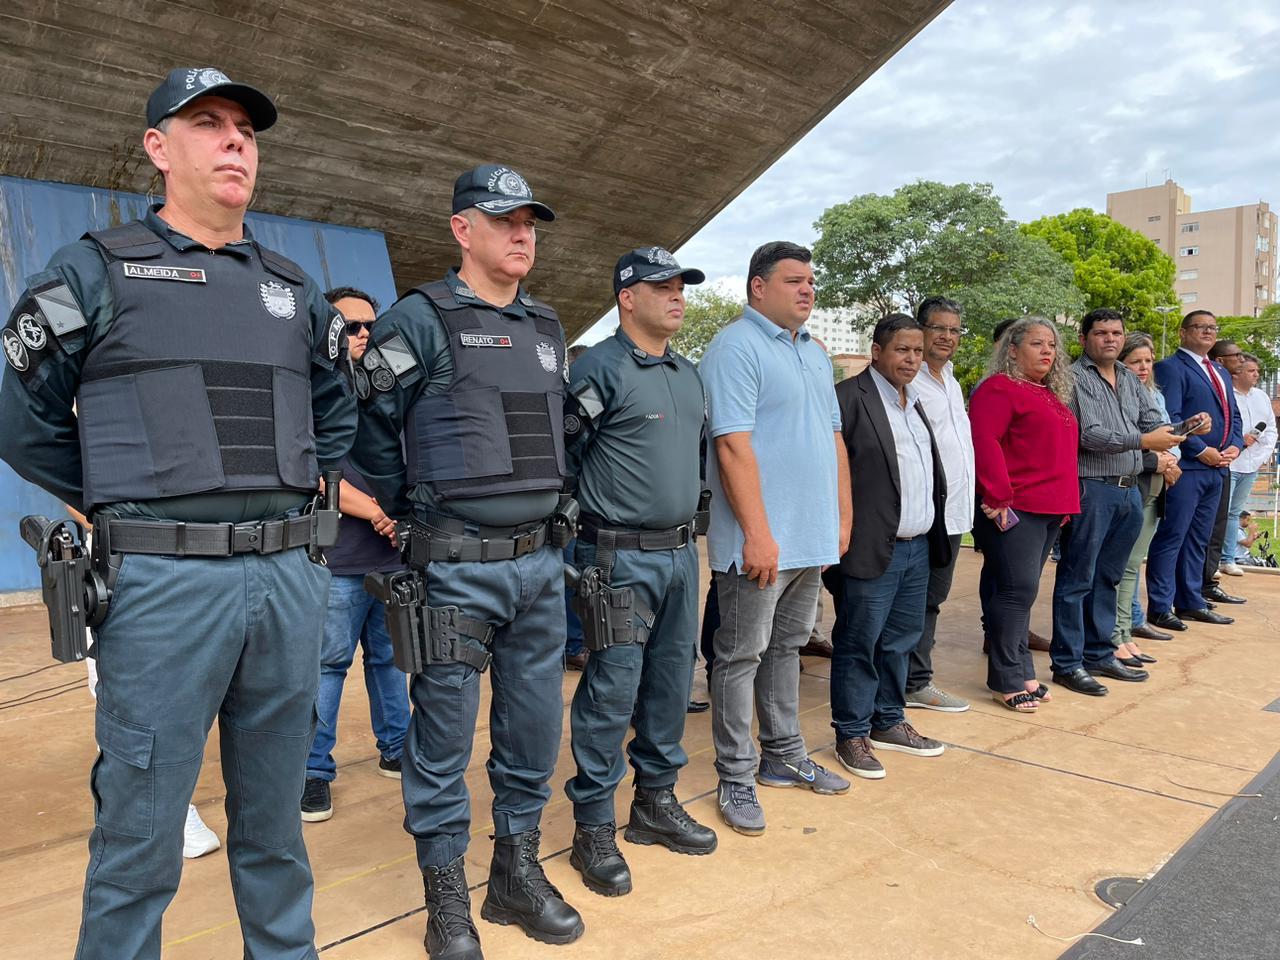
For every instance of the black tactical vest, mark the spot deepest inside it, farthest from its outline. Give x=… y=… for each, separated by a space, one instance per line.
x=202 y=383
x=499 y=426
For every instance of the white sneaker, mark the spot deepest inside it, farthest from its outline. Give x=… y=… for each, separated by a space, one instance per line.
x=1231 y=569
x=197 y=839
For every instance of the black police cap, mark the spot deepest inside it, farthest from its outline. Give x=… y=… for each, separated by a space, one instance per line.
x=494 y=189
x=185 y=84
x=653 y=265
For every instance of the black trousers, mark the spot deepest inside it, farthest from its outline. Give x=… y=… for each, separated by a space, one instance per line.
x=710 y=624
x=920 y=667
x=1011 y=563
x=1213 y=555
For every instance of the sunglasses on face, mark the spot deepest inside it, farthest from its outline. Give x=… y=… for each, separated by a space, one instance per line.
x=355 y=326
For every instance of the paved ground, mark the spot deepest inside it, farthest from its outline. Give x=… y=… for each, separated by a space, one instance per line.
x=946 y=857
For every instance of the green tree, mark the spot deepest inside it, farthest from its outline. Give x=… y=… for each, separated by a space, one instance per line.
x=706 y=313
x=1113 y=266
x=883 y=253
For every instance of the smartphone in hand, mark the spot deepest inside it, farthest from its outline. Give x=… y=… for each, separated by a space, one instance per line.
x=1010 y=520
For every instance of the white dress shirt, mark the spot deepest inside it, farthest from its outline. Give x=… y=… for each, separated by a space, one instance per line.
x=944 y=403
x=915 y=457
x=1254 y=407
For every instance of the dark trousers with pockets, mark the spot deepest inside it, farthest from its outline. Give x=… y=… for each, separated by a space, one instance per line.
x=1012 y=561
x=524 y=598
x=649 y=682
x=920 y=666
x=187 y=641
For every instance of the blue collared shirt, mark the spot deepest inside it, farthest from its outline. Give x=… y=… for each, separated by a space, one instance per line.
x=915 y=456
x=779 y=388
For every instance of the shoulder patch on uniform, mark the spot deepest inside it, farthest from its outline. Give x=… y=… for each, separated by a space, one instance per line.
x=59 y=307
x=336 y=326
x=572 y=424
x=360 y=377
x=589 y=401
x=383 y=379
x=14 y=351
x=395 y=353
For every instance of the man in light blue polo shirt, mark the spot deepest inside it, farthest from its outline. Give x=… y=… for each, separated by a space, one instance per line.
x=781 y=510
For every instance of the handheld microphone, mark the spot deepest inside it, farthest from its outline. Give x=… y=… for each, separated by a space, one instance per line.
x=1257 y=429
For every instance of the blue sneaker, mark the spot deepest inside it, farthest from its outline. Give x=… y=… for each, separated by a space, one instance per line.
x=800 y=773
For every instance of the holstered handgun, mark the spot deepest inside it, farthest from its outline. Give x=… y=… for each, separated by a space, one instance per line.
x=609 y=615
x=325 y=516
x=73 y=592
x=702 y=517
x=564 y=522
x=404 y=597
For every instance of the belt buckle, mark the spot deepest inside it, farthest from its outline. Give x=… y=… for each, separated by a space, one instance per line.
x=245 y=538
x=524 y=542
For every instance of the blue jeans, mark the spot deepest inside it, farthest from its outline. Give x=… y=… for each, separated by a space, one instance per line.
x=878 y=624
x=1241 y=485
x=572 y=625
x=1095 y=549
x=188 y=640
x=354 y=618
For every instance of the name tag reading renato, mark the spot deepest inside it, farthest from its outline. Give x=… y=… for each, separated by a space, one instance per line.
x=484 y=340
x=149 y=271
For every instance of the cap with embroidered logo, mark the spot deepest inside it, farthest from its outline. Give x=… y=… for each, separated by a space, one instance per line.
x=185 y=84
x=652 y=265
x=495 y=189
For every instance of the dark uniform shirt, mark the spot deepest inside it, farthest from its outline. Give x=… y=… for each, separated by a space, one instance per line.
x=378 y=453
x=637 y=464
x=40 y=439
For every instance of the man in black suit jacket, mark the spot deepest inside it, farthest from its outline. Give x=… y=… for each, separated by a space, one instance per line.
x=899 y=532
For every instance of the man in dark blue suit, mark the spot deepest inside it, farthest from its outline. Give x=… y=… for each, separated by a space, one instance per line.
x=1192 y=385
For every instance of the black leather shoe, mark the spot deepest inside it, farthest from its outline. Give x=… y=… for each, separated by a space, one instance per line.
x=1080 y=681
x=450 y=933
x=1221 y=596
x=1147 y=632
x=1145 y=658
x=1205 y=616
x=1166 y=621
x=596 y=856
x=1113 y=668
x=697 y=706
x=521 y=894
x=1130 y=662
x=658 y=817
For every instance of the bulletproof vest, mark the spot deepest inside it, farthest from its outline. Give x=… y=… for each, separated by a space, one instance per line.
x=499 y=426
x=202 y=383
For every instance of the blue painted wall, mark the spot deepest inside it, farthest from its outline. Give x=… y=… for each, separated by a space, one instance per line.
x=36 y=218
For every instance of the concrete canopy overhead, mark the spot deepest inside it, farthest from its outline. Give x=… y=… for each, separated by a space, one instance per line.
x=637 y=121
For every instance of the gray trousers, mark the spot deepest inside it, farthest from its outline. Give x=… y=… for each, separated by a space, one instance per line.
x=920 y=670
x=757 y=663
x=185 y=641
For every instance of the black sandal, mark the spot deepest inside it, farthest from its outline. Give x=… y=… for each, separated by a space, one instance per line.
x=1019 y=702
x=1041 y=693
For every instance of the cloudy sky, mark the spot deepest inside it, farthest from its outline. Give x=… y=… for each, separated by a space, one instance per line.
x=1056 y=103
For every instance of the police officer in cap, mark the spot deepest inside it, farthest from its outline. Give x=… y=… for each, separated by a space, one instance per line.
x=205 y=373
x=633 y=429
x=471 y=369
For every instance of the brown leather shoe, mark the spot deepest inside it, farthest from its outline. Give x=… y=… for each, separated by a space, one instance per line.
x=1037 y=642
x=817 y=648
x=575 y=661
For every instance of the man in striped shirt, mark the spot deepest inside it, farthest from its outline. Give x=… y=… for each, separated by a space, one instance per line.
x=1120 y=425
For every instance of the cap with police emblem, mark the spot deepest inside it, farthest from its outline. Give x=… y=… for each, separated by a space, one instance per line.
x=495 y=190
x=186 y=84
x=652 y=265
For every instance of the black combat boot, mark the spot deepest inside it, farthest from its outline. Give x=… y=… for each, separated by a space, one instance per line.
x=450 y=933
x=596 y=856
x=520 y=893
x=657 y=817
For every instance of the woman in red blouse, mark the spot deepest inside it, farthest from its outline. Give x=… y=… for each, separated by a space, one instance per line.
x=1024 y=445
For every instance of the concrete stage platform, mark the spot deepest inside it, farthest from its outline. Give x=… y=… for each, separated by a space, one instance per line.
x=945 y=858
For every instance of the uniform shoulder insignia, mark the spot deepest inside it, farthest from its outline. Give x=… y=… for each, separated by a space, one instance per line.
x=281 y=265
x=589 y=401
x=28 y=340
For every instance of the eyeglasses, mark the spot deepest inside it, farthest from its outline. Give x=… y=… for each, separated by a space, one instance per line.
x=1204 y=327
x=355 y=326
x=952 y=331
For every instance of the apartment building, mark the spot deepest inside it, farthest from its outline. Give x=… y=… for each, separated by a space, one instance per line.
x=834 y=327
x=1226 y=259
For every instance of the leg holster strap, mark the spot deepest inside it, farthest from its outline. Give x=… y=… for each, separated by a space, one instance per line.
x=610 y=615
x=455 y=638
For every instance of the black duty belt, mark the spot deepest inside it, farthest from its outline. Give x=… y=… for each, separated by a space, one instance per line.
x=636 y=538
x=178 y=539
x=1116 y=481
x=451 y=539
